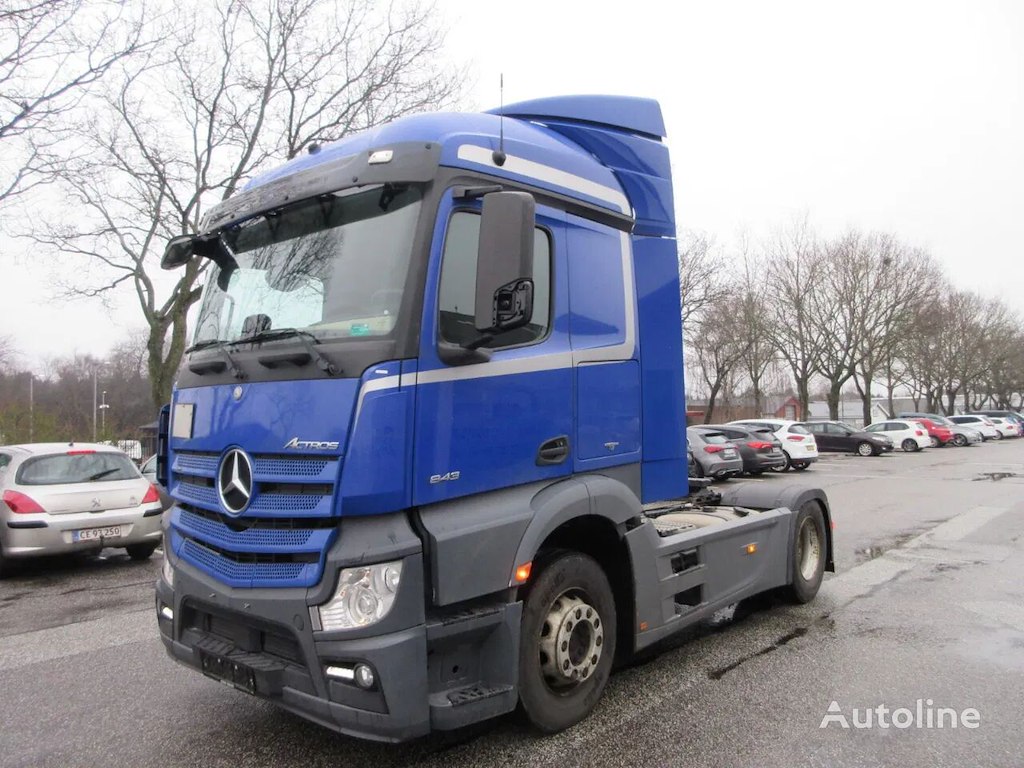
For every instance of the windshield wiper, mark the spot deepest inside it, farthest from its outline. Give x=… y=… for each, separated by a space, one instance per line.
x=104 y=473
x=208 y=366
x=307 y=339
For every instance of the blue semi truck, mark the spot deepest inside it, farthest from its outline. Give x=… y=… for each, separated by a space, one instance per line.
x=427 y=451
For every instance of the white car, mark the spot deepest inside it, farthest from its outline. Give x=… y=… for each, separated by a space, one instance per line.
x=797 y=443
x=981 y=423
x=1006 y=428
x=69 y=497
x=907 y=434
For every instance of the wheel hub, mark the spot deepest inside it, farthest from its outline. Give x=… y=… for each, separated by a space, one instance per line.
x=571 y=642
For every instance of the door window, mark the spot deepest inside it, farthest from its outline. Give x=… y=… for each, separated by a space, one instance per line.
x=457 y=298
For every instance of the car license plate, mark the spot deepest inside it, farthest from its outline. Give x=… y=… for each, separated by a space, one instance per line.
x=95 y=534
x=729 y=453
x=227 y=671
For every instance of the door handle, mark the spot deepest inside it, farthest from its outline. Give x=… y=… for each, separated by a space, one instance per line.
x=553 y=451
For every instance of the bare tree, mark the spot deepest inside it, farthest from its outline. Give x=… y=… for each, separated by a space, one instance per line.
x=794 y=273
x=701 y=276
x=51 y=53
x=753 y=314
x=718 y=345
x=234 y=89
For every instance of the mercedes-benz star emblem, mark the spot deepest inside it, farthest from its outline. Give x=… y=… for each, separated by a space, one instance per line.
x=234 y=481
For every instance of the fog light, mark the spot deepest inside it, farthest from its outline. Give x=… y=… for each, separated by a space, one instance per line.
x=364 y=676
x=167 y=613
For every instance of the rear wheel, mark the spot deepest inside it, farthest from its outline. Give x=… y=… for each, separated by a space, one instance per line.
x=959 y=440
x=785 y=463
x=800 y=466
x=809 y=550
x=865 y=449
x=140 y=551
x=909 y=445
x=998 y=435
x=568 y=642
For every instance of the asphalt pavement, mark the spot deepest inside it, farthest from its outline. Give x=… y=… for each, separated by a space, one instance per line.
x=925 y=618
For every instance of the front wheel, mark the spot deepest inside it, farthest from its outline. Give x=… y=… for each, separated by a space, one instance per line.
x=865 y=449
x=809 y=549
x=909 y=445
x=934 y=441
x=567 y=643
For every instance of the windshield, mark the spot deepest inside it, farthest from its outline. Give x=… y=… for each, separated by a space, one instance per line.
x=334 y=266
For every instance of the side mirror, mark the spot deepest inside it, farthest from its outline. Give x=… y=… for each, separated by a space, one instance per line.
x=504 y=272
x=179 y=252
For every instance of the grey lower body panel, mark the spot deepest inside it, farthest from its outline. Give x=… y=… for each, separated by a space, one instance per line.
x=444 y=672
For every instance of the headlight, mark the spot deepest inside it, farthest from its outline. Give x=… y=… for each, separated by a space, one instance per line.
x=364 y=596
x=167 y=571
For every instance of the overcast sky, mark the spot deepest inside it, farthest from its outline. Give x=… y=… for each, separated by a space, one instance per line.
x=899 y=116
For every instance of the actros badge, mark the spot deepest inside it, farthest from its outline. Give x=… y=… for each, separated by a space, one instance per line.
x=312 y=445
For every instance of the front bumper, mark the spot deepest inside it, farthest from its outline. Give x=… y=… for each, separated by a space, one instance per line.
x=45 y=534
x=262 y=641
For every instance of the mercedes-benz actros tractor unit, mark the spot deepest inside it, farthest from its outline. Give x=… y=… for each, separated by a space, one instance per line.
x=428 y=449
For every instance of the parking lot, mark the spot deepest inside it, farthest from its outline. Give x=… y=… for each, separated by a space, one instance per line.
x=926 y=605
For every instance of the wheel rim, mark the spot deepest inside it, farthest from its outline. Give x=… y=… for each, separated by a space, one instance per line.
x=934 y=441
x=864 y=449
x=909 y=445
x=571 y=642
x=808 y=544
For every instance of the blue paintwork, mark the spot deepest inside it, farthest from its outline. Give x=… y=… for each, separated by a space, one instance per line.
x=607 y=415
x=627 y=113
x=489 y=428
x=485 y=421
x=664 y=472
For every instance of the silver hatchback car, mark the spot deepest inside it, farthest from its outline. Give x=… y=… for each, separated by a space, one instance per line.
x=69 y=497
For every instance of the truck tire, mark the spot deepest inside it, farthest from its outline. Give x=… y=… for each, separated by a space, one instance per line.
x=809 y=553
x=567 y=642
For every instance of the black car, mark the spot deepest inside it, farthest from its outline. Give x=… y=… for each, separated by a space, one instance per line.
x=836 y=436
x=760 y=449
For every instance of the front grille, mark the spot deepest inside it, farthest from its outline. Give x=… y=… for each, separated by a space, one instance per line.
x=241 y=574
x=280 y=539
x=210 y=526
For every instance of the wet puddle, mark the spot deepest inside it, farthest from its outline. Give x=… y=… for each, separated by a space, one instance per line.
x=995 y=476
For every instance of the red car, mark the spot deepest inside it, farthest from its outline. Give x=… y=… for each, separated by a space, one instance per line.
x=939 y=434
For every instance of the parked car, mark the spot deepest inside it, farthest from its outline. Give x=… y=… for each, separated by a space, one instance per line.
x=715 y=456
x=1011 y=415
x=940 y=434
x=70 y=497
x=148 y=470
x=837 y=436
x=1005 y=427
x=963 y=434
x=759 y=448
x=798 y=444
x=981 y=423
x=908 y=435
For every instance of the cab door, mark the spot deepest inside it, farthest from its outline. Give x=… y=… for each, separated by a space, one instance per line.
x=508 y=421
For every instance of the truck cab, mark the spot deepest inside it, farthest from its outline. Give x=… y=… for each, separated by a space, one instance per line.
x=427 y=452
